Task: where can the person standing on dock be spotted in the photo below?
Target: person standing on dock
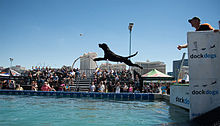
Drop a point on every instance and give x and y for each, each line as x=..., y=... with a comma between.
x=195, y=22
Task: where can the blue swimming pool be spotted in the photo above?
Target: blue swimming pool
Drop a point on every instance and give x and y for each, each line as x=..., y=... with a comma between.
x=17, y=110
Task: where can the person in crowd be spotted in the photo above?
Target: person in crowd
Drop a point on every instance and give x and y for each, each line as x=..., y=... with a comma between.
x=117, y=78
x=83, y=75
x=72, y=73
x=163, y=89
x=55, y=78
x=92, y=87
x=12, y=85
x=62, y=87
x=123, y=76
x=71, y=82
x=39, y=83
x=34, y=86
x=52, y=88
x=110, y=87
x=157, y=90
x=77, y=73
x=130, y=90
x=19, y=88
x=125, y=88
x=106, y=87
x=151, y=87
x=46, y=87
x=145, y=88
x=104, y=78
x=102, y=87
x=50, y=80
x=118, y=87
x=30, y=78
x=5, y=84
x=137, y=82
x=98, y=89
x=195, y=22
x=67, y=87
x=42, y=80
x=137, y=91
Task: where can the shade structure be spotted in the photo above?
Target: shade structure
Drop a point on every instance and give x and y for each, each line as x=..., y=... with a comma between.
x=9, y=72
x=156, y=75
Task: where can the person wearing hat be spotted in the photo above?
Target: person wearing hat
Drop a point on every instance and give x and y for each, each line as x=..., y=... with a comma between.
x=195, y=22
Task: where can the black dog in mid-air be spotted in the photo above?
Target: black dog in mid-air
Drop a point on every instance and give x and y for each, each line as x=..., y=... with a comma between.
x=109, y=55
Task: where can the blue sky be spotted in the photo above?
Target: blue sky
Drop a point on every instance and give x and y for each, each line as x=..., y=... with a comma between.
x=47, y=32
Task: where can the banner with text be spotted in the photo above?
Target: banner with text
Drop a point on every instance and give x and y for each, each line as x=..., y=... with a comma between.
x=179, y=95
x=204, y=71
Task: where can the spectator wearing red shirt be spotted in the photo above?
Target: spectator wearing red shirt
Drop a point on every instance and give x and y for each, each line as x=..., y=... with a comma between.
x=46, y=87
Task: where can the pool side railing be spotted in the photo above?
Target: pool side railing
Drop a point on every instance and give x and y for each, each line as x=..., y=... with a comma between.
x=113, y=96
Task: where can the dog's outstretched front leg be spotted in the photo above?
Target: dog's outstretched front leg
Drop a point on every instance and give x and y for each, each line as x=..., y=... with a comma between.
x=98, y=59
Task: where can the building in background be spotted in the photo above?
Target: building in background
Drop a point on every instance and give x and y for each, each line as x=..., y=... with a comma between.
x=109, y=66
x=176, y=67
x=148, y=66
x=106, y=66
x=86, y=61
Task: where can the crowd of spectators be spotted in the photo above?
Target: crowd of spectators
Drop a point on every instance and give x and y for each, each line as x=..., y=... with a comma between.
x=47, y=79
x=122, y=81
x=11, y=85
x=163, y=88
x=112, y=81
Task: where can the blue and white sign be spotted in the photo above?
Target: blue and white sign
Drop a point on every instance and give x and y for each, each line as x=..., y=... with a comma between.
x=179, y=95
x=204, y=71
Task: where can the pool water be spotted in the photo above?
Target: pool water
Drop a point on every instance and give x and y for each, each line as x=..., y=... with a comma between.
x=51, y=111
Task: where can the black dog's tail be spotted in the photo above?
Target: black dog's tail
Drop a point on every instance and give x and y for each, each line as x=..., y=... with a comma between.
x=132, y=55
